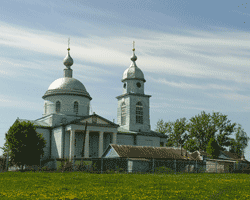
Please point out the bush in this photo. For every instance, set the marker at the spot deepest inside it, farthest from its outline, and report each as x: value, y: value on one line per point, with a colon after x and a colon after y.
x: 46, y: 169
x: 163, y: 169
x: 66, y: 166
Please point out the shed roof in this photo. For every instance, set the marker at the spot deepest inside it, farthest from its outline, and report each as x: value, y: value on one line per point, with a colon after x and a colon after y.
x: 129, y: 151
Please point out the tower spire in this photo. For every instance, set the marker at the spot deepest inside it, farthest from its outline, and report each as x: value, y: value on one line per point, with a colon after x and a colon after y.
x: 68, y: 62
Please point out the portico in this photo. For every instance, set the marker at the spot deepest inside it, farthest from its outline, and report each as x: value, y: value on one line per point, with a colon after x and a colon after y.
x: 92, y: 143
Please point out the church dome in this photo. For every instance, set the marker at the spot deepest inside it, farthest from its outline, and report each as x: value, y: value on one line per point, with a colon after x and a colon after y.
x: 67, y: 86
x: 133, y: 72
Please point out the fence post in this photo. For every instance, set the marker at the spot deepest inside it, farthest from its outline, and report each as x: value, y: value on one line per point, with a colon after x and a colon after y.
x: 127, y: 165
x: 196, y: 167
x: 153, y: 166
x: 216, y: 166
x: 175, y: 166
x: 101, y: 165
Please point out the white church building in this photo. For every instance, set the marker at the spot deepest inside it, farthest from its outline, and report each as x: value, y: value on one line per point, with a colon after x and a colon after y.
x: 66, y: 112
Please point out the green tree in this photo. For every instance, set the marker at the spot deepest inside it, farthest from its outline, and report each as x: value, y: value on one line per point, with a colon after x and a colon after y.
x: 24, y: 144
x: 178, y: 135
x: 213, y: 148
x: 163, y: 127
x: 239, y: 144
x: 191, y: 144
x: 223, y: 129
x: 201, y: 128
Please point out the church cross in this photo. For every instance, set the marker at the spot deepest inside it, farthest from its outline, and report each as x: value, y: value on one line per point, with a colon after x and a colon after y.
x: 133, y: 45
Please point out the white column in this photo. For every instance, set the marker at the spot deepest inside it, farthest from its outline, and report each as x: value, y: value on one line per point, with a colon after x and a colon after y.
x: 114, y: 137
x: 100, y: 143
x: 72, y: 144
x: 86, y: 148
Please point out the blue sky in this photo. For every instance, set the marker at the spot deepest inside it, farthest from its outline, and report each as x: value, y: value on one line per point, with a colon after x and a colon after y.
x: 194, y: 55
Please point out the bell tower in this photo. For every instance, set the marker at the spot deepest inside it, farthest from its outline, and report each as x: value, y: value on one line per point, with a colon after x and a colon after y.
x: 133, y: 104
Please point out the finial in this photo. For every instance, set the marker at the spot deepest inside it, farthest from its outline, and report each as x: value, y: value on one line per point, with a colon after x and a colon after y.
x: 68, y: 44
x: 133, y: 58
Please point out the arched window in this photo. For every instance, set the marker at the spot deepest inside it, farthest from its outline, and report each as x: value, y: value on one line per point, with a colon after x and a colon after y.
x: 58, y: 106
x: 139, y: 113
x: 45, y: 108
x: 76, y: 107
x: 123, y: 114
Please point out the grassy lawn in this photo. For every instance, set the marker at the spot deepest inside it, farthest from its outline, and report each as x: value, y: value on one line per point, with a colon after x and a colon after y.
x: 77, y: 185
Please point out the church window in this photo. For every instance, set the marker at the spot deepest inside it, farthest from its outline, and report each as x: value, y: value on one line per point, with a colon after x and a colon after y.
x: 76, y: 107
x: 124, y: 85
x: 123, y: 114
x: 138, y: 85
x: 139, y: 113
x: 58, y: 106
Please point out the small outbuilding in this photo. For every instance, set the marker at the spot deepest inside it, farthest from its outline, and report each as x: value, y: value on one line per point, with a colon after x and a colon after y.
x: 145, y: 159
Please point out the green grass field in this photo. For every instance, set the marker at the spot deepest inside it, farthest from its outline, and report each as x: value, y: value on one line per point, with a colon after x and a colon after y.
x: 77, y: 185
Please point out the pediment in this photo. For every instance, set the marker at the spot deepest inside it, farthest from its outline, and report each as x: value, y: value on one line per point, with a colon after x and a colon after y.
x: 97, y: 120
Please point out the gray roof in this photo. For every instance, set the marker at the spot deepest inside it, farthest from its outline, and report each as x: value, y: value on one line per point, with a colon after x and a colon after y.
x: 36, y: 123
x: 149, y: 133
x: 229, y: 155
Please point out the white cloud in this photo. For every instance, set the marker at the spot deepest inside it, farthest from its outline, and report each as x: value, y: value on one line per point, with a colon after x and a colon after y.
x: 163, y: 106
x: 184, y: 85
x: 11, y: 101
x: 201, y: 55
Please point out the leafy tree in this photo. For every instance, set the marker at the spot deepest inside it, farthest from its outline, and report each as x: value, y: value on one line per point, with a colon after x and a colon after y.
x: 240, y: 142
x: 179, y: 134
x: 162, y: 127
x: 223, y: 129
x: 24, y: 144
x: 213, y: 148
x: 191, y: 144
x: 201, y: 128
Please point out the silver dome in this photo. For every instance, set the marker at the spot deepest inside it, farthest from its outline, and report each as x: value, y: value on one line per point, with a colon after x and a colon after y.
x: 67, y: 86
x: 133, y: 72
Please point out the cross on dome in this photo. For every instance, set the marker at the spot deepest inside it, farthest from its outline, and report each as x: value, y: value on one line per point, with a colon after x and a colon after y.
x: 134, y: 58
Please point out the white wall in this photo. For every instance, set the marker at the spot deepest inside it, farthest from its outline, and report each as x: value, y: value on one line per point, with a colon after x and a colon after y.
x: 131, y: 102
x: 125, y: 139
x: 67, y: 104
x: 148, y: 141
x: 46, y: 135
x: 56, y: 143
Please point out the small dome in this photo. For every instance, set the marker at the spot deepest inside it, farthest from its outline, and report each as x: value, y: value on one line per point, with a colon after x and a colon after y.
x: 67, y: 86
x: 133, y: 72
x: 68, y: 61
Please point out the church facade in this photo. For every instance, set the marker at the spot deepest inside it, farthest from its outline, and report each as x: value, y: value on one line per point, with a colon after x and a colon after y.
x: 71, y: 132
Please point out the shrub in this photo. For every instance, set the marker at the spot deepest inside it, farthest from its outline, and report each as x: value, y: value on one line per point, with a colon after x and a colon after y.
x: 66, y: 166
x: 46, y: 169
x: 163, y: 169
